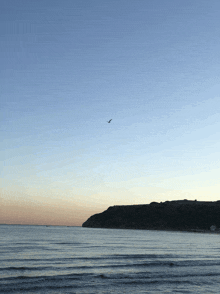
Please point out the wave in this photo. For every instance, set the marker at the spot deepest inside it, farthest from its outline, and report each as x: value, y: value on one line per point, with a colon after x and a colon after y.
x: 112, y: 263
x: 24, y: 284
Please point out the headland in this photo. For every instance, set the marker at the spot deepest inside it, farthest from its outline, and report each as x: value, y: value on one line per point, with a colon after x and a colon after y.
x: 179, y: 215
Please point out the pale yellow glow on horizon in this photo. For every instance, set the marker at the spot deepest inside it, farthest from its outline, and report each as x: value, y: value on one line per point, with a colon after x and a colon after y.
x: 17, y: 208
x: 64, y: 207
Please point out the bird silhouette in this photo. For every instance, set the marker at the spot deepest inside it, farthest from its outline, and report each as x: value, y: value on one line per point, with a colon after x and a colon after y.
x: 109, y: 121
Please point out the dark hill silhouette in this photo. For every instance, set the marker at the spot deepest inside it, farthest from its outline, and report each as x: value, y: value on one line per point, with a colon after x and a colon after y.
x: 183, y: 215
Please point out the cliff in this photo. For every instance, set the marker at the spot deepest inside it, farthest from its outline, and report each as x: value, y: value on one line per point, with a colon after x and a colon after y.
x: 183, y: 215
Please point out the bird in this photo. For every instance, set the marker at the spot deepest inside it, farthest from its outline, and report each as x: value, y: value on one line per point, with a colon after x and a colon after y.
x: 109, y: 121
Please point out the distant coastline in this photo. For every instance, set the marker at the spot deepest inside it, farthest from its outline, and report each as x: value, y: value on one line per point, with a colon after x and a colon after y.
x: 180, y: 215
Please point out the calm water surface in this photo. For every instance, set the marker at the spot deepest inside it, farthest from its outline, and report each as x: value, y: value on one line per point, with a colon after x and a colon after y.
x: 40, y: 259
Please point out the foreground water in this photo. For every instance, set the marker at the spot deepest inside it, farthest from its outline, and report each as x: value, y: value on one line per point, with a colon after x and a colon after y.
x: 40, y: 259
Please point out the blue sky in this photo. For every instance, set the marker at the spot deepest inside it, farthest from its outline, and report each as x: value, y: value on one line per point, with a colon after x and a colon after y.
x: 67, y: 67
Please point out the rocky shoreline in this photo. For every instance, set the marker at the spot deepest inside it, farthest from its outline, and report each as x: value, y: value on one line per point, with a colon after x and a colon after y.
x: 180, y: 215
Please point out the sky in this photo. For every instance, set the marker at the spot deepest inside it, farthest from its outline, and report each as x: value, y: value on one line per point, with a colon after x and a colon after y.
x: 67, y: 67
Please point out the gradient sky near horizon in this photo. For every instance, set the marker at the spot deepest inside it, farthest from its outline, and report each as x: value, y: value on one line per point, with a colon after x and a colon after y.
x: 67, y: 67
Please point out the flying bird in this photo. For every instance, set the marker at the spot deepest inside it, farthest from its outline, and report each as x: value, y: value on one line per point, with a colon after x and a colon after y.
x: 109, y: 121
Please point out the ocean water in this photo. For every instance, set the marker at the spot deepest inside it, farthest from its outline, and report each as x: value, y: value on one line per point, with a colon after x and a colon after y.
x: 40, y: 259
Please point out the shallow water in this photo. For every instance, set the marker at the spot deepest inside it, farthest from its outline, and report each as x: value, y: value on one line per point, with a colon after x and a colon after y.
x: 40, y: 259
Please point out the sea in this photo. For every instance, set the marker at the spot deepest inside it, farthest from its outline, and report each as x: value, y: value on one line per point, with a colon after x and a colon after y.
x: 58, y: 259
